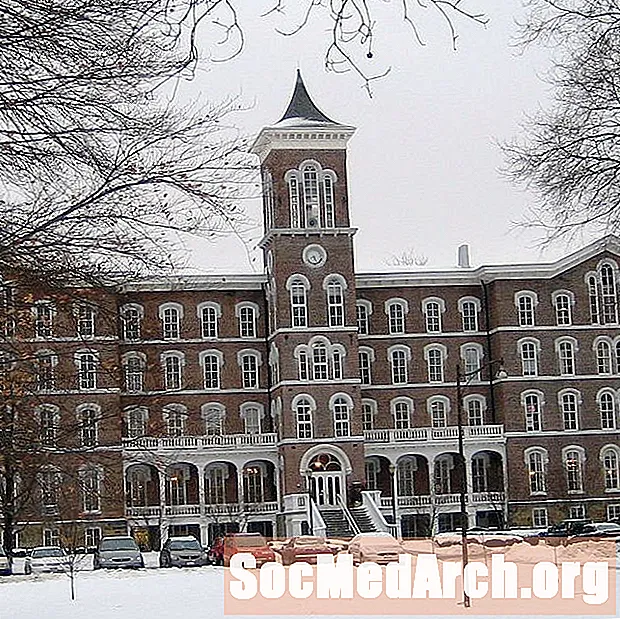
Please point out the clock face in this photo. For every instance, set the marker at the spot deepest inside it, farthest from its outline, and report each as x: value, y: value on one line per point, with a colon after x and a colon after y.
x: 314, y: 256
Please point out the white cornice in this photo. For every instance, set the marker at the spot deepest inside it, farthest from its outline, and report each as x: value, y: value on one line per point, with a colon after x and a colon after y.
x: 315, y: 136
x: 196, y: 282
x: 305, y: 232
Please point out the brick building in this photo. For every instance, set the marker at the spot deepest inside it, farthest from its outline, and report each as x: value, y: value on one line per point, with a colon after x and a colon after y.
x: 240, y: 397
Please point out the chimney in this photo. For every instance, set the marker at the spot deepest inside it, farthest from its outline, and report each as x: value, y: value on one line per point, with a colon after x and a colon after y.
x: 463, y: 257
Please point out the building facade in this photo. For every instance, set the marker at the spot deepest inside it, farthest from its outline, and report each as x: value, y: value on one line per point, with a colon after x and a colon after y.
x: 314, y: 398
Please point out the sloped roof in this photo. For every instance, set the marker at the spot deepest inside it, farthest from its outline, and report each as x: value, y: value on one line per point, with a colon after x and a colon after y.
x: 302, y: 109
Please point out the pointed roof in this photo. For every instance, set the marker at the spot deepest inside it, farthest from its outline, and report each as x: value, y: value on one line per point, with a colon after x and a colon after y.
x: 302, y: 109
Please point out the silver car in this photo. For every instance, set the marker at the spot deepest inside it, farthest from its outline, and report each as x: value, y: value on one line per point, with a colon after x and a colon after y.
x: 114, y: 552
x: 47, y: 559
x: 5, y: 564
x: 182, y: 552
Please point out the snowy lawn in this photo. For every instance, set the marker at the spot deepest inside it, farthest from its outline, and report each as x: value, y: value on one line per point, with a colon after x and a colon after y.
x: 151, y: 593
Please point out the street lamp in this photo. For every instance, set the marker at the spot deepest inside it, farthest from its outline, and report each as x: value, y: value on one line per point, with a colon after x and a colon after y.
x: 467, y: 376
x: 392, y: 469
x: 309, y: 488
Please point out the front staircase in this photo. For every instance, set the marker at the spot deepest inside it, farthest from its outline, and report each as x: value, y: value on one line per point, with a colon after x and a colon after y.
x: 339, y: 526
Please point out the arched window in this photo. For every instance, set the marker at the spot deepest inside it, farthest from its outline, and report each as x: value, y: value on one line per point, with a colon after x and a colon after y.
x: 44, y: 312
x: 88, y: 416
x: 434, y: 360
x: 398, y: 361
x: 340, y: 411
x: 213, y: 415
x: 405, y: 480
x: 363, y: 318
x: 566, y: 356
x: 569, y: 405
x: 170, y: 315
x: 437, y: 409
x: 85, y: 320
x: 299, y: 303
x: 45, y: 375
x: 574, y: 470
x: 603, y: 357
x: 371, y: 469
x: 90, y: 482
x: 297, y: 218
x: 131, y: 320
x: 303, y: 416
x: 134, y: 373
x: 49, y: 422
x: 536, y: 462
x: 607, y: 410
x: 469, y: 309
x: 302, y: 365
x: 254, y: 482
x: 480, y: 473
x: 175, y: 417
x: 211, y: 362
x: 442, y: 477
x: 365, y: 359
x: 86, y: 370
x: 335, y: 302
x: 208, y: 321
x: 603, y: 294
x: 401, y: 410
x: 563, y: 303
x: 611, y: 468
x: 329, y: 215
x: 472, y: 355
x: 368, y: 414
x: 215, y: 484
x: 532, y: 404
x: 252, y: 415
x: 136, y: 422
x: 396, y: 310
x: 432, y: 315
x: 320, y: 366
x: 311, y: 196
x: 529, y: 357
x: 247, y: 320
x: 249, y: 362
x: 173, y: 370
x: 526, y: 301
x: 475, y: 406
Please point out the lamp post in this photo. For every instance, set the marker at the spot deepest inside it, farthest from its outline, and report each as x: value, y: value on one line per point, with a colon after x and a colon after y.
x: 460, y: 376
x: 309, y: 488
x: 394, y: 499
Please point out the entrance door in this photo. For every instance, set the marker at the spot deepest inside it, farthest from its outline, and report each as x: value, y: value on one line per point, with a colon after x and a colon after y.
x: 326, y: 488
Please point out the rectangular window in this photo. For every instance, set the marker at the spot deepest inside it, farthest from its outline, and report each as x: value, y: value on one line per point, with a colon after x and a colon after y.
x: 475, y: 415
x: 401, y: 416
x: 303, y: 366
x: 319, y: 363
x: 299, y: 310
x: 170, y: 324
x: 435, y: 366
x: 88, y: 428
x: 368, y: 418
x: 336, y: 365
x: 399, y: 367
x: 471, y: 356
x: 432, y: 314
x: 252, y: 420
x: 569, y: 412
x: 134, y: 374
x: 175, y: 424
x: 613, y: 512
x: 87, y: 371
x: 539, y: 517
x: 577, y: 512
x: 51, y: 537
x: 45, y: 379
x: 533, y: 417
x: 396, y: 318
x: 92, y: 537
x: 537, y: 473
x: 131, y: 323
x: 566, y: 357
x: 136, y: 423
x: 562, y: 310
x: 525, y: 306
x: 335, y: 305
x: 86, y: 321
x: 529, y: 359
x: 90, y: 491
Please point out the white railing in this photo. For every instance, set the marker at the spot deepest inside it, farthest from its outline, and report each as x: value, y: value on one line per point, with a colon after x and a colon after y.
x: 487, y: 497
x: 200, y: 442
x: 149, y: 511
x: 182, y: 510
x: 420, y: 435
x: 369, y: 501
x: 217, y: 509
x: 447, y: 499
x: 414, y: 501
x: 270, y: 506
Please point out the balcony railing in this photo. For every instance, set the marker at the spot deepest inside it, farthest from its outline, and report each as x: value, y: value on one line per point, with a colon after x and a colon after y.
x: 424, y: 500
x: 424, y: 435
x: 216, y: 509
x: 146, y: 443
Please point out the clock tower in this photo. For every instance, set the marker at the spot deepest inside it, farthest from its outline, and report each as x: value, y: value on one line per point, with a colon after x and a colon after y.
x: 308, y: 247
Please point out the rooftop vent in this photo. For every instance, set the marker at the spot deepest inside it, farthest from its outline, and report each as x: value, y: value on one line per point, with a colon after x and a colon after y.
x: 463, y: 257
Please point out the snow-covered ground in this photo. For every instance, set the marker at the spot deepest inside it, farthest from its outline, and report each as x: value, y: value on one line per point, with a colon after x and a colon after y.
x: 151, y: 593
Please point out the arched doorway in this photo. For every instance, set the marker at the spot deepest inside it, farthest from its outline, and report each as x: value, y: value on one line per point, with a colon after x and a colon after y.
x: 327, y: 480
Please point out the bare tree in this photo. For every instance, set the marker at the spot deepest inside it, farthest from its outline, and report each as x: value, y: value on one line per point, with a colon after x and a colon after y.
x: 570, y: 154
x: 408, y: 258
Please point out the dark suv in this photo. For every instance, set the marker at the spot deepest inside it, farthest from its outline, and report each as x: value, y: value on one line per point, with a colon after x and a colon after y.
x: 182, y: 552
x: 568, y: 527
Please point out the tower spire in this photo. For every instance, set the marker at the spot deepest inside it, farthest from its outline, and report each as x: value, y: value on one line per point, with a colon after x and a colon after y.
x: 302, y: 107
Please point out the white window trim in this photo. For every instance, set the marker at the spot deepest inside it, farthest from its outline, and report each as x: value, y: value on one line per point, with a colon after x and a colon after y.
x: 365, y: 303
x: 166, y: 354
x: 427, y: 300
x: 396, y: 301
x: 170, y: 305
x: 337, y: 277
x: 298, y: 276
x: 563, y: 339
x: 438, y: 398
x: 253, y: 353
x: 401, y: 347
x: 443, y: 349
x: 370, y: 351
x: 475, y: 300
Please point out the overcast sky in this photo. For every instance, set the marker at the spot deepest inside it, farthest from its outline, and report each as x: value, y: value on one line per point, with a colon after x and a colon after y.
x: 424, y: 162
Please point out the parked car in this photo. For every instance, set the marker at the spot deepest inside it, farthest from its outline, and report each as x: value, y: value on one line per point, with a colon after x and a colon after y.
x: 566, y: 528
x: 46, y: 559
x: 253, y: 543
x: 115, y: 552
x: 304, y: 548
x: 182, y: 552
x: 601, y: 529
x: 377, y: 547
x: 5, y: 564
